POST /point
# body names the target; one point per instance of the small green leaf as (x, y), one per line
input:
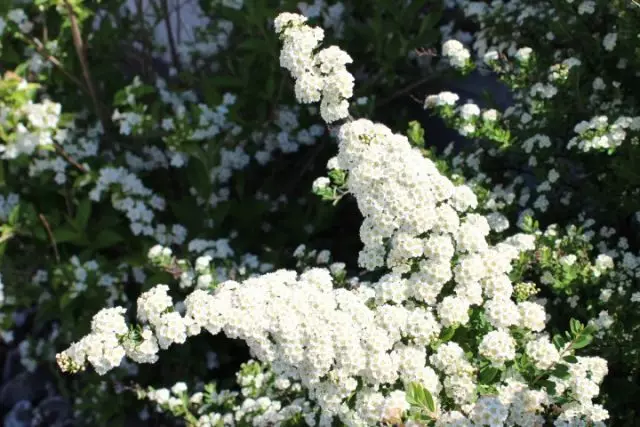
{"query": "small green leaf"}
(575, 326)
(416, 133)
(14, 215)
(549, 385)
(120, 98)
(420, 397)
(447, 333)
(411, 395)
(582, 341)
(65, 300)
(570, 359)
(559, 342)
(560, 371)
(65, 234)
(106, 238)
(431, 404)
(488, 374)
(83, 214)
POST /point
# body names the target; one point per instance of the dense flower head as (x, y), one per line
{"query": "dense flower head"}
(320, 76)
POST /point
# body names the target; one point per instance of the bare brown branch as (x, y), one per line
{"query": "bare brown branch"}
(47, 227)
(69, 159)
(81, 51)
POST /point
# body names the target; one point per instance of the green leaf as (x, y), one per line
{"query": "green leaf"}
(488, 374)
(549, 385)
(83, 180)
(65, 234)
(83, 214)
(559, 342)
(447, 333)
(14, 215)
(228, 82)
(570, 359)
(65, 300)
(416, 133)
(575, 326)
(120, 98)
(560, 371)
(411, 395)
(419, 396)
(582, 341)
(253, 45)
(106, 238)
(431, 404)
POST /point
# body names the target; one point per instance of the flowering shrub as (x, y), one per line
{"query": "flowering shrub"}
(435, 338)
(166, 200)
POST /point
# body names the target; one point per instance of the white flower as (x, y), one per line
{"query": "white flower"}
(490, 115)
(490, 56)
(587, 7)
(568, 260)
(469, 111)
(456, 53)
(498, 346)
(321, 183)
(532, 316)
(178, 388)
(523, 54)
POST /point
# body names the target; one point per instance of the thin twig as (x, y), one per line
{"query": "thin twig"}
(45, 29)
(67, 201)
(408, 88)
(172, 42)
(179, 23)
(42, 50)
(416, 99)
(68, 158)
(81, 51)
(50, 234)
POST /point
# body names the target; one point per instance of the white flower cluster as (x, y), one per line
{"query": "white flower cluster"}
(83, 275)
(29, 127)
(101, 347)
(212, 122)
(290, 137)
(129, 195)
(559, 73)
(329, 339)
(441, 99)
(20, 18)
(456, 53)
(598, 134)
(262, 401)
(320, 76)
(468, 118)
(80, 146)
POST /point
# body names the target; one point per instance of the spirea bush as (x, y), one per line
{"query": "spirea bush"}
(435, 338)
(235, 237)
